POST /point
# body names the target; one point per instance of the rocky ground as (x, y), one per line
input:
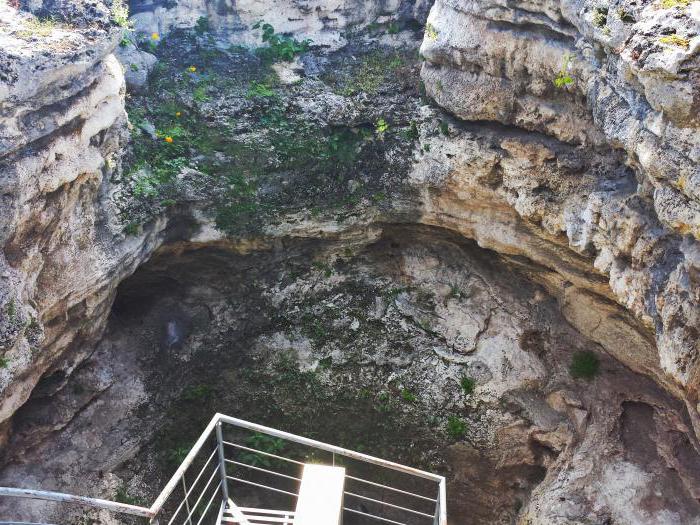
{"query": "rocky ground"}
(450, 256)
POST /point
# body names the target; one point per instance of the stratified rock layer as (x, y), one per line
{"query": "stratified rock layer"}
(596, 179)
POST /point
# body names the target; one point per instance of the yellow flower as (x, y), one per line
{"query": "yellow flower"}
(177, 114)
(191, 69)
(169, 140)
(155, 36)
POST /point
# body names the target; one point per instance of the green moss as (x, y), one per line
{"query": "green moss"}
(456, 427)
(4, 362)
(373, 72)
(430, 31)
(584, 365)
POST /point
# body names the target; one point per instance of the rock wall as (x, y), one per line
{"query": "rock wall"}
(325, 22)
(596, 179)
(62, 125)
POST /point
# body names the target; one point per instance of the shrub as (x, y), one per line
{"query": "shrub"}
(456, 427)
(281, 47)
(584, 365)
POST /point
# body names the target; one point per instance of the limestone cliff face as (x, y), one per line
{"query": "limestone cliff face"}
(325, 22)
(62, 122)
(597, 179)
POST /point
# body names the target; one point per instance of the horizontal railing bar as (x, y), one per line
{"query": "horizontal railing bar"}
(432, 500)
(255, 510)
(124, 508)
(204, 491)
(330, 448)
(263, 453)
(175, 479)
(366, 498)
(206, 509)
(21, 523)
(262, 486)
(262, 469)
(193, 485)
(373, 516)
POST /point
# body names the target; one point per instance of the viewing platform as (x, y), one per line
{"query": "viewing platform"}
(243, 473)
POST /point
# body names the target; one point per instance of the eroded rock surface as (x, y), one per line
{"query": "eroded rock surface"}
(309, 224)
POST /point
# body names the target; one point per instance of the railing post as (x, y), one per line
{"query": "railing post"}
(222, 462)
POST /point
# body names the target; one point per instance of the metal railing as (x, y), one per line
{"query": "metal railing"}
(241, 460)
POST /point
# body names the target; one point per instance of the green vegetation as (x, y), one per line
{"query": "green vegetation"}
(670, 4)
(626, 16)
(122, 496)
(393, 28)
(468, 384)
(263, 443)
(37, 27)
(120, 13)
(600, 16)
(430, 31)
(408, 396)
(381, 126)
(11, 309)
(259, 89)
(371, 74)
(4, 362)
(675, 40)
(197, 393)
(177, 455)
(444, 128)
(134, 67)
(202, 25)
(563, 79)
(584, 365)
(456, 427)
(280, 47)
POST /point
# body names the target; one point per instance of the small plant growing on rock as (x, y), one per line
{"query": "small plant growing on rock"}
(37, 27)
(281, 47)
(4, 362)
(430, 31)
(381, 126)
(393, 28)
(584, 365)
(456, 427)
(600, 16)
(262, 443)
(468, 384)
(675, 40)
(119, 12)
(563, 79)
(670, 4)
(408, 396)
(202, 25)
(626, 16)
(259, 90)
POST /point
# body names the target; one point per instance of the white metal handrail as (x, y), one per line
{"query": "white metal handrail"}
(214, 429)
